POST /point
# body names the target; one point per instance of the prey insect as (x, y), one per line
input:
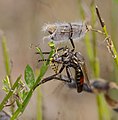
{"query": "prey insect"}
(69, 60)
(67, 31)
(53, 64)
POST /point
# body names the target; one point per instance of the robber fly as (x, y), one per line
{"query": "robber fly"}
(69, 59)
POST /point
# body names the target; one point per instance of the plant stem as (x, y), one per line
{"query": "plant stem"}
(7, 66)
(95, 60)
(110, 44)
(6, 56)
(39, 104)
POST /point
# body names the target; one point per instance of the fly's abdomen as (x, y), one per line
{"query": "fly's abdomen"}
(79, 77)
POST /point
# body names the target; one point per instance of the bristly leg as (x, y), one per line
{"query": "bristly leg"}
(52, 77)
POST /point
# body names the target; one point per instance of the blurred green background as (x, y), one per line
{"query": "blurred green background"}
(22, 21)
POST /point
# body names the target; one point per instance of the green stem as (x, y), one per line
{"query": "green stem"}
(10, 93)
(95, 60)
(6, 56)
(81, 9)
(110, 44)
(7, 66)
(104, 113)
(39, 105)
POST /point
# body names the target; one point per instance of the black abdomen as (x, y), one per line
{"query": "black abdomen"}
(79, 78)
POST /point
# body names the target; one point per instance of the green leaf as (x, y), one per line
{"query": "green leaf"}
(5, 55)
(6, 84)
(23, 94)
(40, 52)
(18, 103)
(29, 76)
(5, 89)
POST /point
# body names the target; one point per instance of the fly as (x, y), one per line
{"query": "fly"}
(69, 59)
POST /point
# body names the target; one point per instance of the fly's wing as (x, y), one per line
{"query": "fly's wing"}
(85, 73)
(81, 61)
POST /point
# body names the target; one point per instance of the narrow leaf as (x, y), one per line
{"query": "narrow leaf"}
(5, 55)
(40, 52)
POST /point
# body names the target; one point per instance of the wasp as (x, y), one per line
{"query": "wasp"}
(69, 59)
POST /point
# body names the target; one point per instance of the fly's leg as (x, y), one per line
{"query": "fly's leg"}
(50, 77)
(45, 80)
(71, 40)
(68, 73)
(70, 37)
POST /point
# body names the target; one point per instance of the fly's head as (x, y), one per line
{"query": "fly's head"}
(56, 58)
